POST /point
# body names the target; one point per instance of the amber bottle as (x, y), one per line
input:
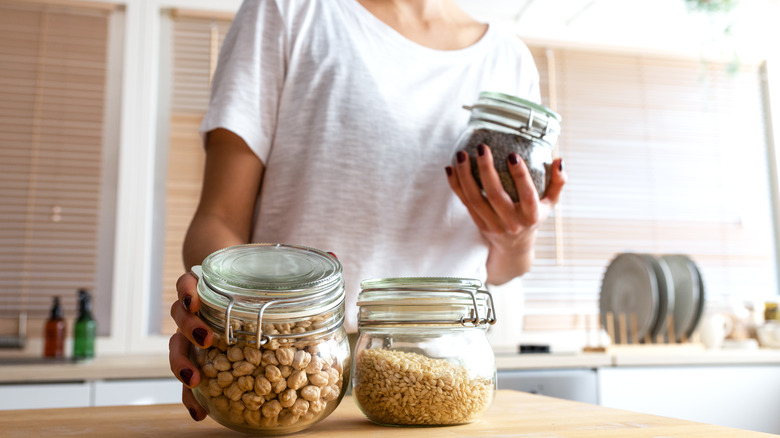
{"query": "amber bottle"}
(54, 344)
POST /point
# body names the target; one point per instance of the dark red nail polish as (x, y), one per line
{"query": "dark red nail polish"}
(560, 165)
(481, 150)
(513, 159)
(333, 254)
(199, 334)
(448, 169)
(194, 414)
(461, 157)
(187, 301)
(186, 376)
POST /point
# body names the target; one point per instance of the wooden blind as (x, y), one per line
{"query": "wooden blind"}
(52, 101)
(195, 46)
(664, 156)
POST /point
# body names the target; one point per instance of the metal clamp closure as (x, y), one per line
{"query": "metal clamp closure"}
(473, 319)
(262, 338)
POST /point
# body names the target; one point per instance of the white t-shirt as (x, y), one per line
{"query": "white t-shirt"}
(355, 125)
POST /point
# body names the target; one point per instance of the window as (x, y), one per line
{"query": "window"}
(664, 156)
(195, 39)
(57, 159)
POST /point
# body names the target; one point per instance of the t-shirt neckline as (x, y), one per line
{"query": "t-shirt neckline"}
(406, 43)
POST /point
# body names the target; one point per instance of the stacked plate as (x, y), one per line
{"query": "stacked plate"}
(649, 296)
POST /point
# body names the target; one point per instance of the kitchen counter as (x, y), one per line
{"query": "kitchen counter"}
(156, 366)
(512, 414)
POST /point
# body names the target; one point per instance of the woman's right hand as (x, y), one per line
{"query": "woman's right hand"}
(191, 330)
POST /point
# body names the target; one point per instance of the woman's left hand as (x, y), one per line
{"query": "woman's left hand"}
(509, 227)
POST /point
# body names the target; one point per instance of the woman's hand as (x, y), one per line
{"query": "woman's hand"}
(191, 330)
(509, 227)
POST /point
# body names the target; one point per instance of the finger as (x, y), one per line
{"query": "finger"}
(528, 198)
(501, 204)
(197, 412)
(179, 361)
(452, 179)
(557, 180)
(191, 326)
(187, 290)
(472, 194)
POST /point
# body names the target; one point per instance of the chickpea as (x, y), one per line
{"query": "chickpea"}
(269, 358)
(286, 370)
(315, 365)
(272, 373)
(310, 393)
(242, 368)
(262, 385)
(271, 408)
(209, 370)
(287, 398)
(233, 392)
(301, 360)
(222, 403)
(252, 417)
(320, 379)
(253, 355)
(297, 380)
(235, 353)
(246, 383)
(252, 401)
(222, 363)
(300, 407)
(287, 418)
(225, 378)
(285, 355)
(214, 389)
(279, 386)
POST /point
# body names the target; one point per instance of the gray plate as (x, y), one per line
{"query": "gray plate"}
(666, 301)
(630, 287)
(687, 294)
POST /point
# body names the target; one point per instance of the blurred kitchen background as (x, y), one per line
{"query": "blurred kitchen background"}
(670, 108)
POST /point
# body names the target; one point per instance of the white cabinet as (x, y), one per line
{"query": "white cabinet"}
(741, 396)
(48, 395)
(578, 385)
(92, 393)
(136, 392)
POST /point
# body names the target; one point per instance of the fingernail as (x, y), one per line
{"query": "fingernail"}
(481, 150)
(560, 165)
(461, 157)
(186, 375)
(200, 335)
(194, 414)
(448, 169)
(187, 300)
(513, 158)
(333, 254)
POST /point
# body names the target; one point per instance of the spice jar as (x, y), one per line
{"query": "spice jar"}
(509, 124)
(280, 359)
(422, 356)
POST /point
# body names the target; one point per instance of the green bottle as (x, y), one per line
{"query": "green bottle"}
(85, 328)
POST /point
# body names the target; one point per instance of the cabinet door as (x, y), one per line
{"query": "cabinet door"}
(43, 396)
(577, 385)
(137, 392)
(745, 397)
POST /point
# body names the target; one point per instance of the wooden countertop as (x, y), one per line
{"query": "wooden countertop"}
(512, 414)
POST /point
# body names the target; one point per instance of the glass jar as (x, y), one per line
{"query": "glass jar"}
(509, 124)
(280, 359)
(422, 356)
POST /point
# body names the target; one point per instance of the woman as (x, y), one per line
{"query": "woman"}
(329, 123)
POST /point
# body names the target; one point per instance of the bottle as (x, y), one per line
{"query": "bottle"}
(55, 332)
(85, 328)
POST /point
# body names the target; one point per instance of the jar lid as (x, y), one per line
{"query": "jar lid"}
(526, 117)
(282, 281)
(424, 301)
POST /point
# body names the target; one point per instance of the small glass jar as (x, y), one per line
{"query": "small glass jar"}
(509, 124)
(280, 359)
(422, 356)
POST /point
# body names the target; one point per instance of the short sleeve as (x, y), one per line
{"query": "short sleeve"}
(249, 76)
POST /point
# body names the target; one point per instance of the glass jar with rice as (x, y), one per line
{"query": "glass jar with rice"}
(422, 356)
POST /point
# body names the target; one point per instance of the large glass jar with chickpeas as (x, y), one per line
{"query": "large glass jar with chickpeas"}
(280, 360)
(422, 356)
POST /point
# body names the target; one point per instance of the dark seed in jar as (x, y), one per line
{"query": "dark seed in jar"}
(501, 145)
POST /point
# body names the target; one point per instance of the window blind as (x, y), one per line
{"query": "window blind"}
(664, 156)
(196, 39)
(52, 106)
